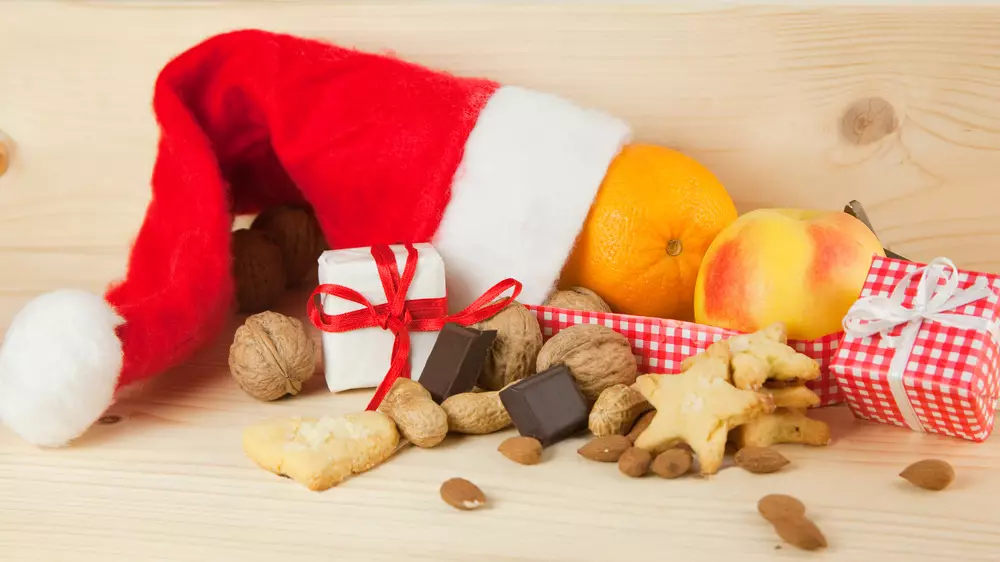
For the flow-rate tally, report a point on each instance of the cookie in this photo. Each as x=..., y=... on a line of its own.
x=765, y=355
x=795, y=397
x=321, y=453
x=697, y=407
x=719, y=349
x=758, y=358
x=784, y=425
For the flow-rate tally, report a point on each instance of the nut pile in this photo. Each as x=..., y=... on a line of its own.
x=747, y=391
x=278, y=252
x=273, y=354
x=746, y=394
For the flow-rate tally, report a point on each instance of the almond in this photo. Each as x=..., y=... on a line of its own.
x=760, y=460
x=788, y=516
x=929, y=474
x=800, y=532
x=522, y=450
x=605, y=449
x=462, y=494
x=774, y=506
x=635, y=462
x=640, y=425
x=672, y=463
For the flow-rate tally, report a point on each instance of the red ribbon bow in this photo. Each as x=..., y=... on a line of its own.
x=399, y=315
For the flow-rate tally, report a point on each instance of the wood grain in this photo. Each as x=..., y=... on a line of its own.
x=169, y=481
x=766, y=96
x=893, y=105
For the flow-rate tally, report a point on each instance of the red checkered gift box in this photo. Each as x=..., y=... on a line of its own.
x=660, y=345
x=920, y=348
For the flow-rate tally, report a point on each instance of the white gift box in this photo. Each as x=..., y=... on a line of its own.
x=361, y=358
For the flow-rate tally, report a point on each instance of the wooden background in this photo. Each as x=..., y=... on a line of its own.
x=894, y=105
x=774, y=99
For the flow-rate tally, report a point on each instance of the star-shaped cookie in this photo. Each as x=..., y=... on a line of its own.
x=784, y=425
x=698, y=407
x=760, y=356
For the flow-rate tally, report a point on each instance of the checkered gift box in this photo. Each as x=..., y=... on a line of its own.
x=920, y=348
x=660, y=345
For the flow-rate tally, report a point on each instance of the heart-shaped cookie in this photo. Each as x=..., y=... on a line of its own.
x=319, y=453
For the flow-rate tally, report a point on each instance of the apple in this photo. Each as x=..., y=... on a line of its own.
x=804, y=268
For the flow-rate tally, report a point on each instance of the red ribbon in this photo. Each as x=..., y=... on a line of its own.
x=399, y=315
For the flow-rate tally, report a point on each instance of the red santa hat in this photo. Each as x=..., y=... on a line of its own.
x=498, y=178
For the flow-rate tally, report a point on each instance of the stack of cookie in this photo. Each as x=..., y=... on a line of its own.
x=763, y=361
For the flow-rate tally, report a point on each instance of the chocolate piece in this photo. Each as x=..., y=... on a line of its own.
x=855, y=209
x=547, y=406
x=456, y=360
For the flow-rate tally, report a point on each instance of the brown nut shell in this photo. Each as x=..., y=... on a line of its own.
x=297, y=234
x=515, y=348
x=759, y=460
x=774, y=506
x=419, y=419
x=578, y=298
x=616, y=410
x=672, y=463
x=598, y=357
x=271, y=356
x=258, y=271
x=462, y=494
x=929, y=474
x=640, y=425
x=635, y=462
x=476, y=413
x=522, y=450
x=605, y=449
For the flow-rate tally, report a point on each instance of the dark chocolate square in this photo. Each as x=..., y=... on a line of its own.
x=547, y=406
x=456, y=360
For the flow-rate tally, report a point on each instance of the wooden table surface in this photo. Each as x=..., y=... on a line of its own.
x=169, y=481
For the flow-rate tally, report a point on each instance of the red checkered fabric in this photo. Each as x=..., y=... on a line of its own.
x=951, y=377
x=661, y=345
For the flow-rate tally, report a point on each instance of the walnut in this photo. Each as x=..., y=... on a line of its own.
x=258, y=270
x=298, y=235
x=271, y=356
x=512, y=356
x=598, y=357
x=578, y=298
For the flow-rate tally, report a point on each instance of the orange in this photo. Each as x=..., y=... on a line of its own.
x=654, y=217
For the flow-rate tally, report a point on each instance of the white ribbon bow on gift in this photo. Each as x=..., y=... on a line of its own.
x=877, y=314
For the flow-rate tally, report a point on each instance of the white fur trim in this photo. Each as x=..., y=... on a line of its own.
x=531, y=169
x=59, y=366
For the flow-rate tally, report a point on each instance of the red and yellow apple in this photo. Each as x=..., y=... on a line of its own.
x=801, y=267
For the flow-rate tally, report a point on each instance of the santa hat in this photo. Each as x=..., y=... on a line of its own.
x=498, y=178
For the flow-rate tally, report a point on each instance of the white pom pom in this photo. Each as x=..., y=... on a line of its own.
x=59, y=366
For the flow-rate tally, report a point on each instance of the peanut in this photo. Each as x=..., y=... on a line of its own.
x=476, y=413
x=418, y=417
x=616, y=410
